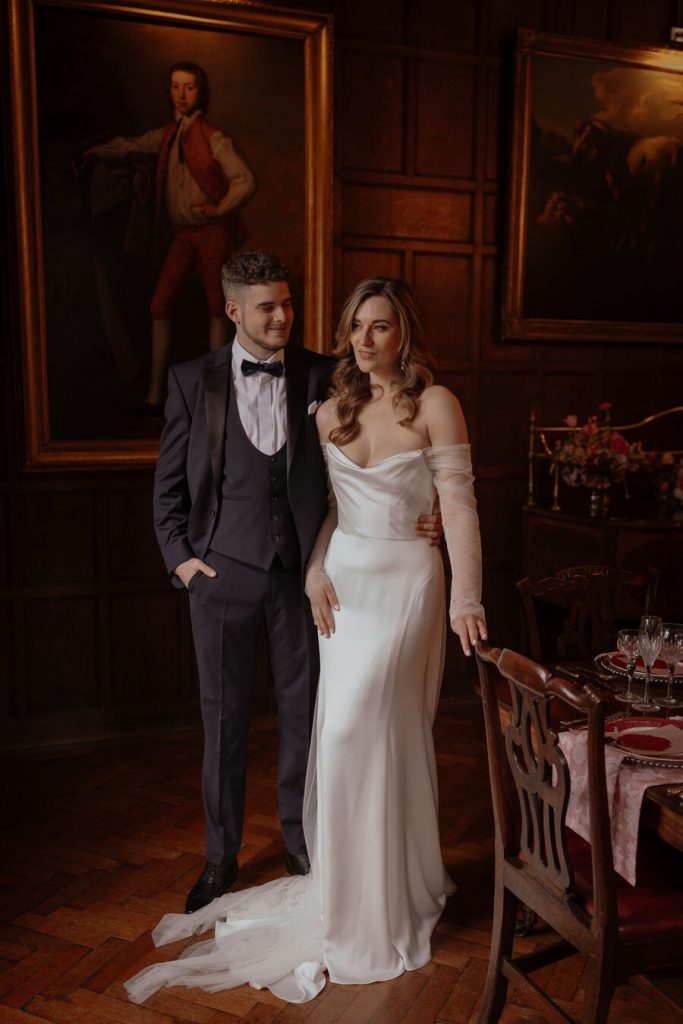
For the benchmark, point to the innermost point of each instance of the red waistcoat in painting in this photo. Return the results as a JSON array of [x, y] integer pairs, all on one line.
[[200, 161]]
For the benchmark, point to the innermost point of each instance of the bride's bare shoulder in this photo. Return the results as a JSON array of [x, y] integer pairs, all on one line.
[[326, 418], [439, 401], [443, 416]]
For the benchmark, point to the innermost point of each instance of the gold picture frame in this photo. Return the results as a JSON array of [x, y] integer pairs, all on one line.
[[271, 70], [594, 221]]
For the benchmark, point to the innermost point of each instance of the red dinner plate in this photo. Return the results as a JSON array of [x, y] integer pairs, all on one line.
[[648, 737]]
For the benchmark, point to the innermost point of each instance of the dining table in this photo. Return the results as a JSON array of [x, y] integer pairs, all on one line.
[[662, 803]]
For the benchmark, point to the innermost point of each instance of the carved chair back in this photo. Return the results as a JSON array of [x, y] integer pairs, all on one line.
[[530, 785], [540, 863], [576, 606]]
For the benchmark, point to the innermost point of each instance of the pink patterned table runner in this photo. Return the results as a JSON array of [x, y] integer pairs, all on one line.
[[626, 785]]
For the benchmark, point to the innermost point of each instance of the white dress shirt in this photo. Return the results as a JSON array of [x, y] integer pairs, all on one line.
[[261, 401], [183, 193]]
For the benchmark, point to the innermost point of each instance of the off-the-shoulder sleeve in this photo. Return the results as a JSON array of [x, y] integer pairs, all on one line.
[[451, 468]]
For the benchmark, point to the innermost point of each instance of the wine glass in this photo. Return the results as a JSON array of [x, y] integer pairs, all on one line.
[[649, 645], [672, 652], [628, 642]]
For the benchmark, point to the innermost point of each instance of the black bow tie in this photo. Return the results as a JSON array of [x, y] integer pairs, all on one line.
[[274, 369]]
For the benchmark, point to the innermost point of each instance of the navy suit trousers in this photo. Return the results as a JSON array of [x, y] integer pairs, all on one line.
[[228, 616]]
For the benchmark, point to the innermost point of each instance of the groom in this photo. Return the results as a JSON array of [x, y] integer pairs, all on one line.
[[239, 496]]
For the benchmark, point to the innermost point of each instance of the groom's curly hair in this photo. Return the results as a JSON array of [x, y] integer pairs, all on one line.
[[351, 387], [252, 266]]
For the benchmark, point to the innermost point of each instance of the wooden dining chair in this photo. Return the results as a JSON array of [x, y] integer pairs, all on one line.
[[576, 608], [571, 884]]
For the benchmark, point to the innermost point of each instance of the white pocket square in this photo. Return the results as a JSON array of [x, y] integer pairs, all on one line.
[[312, 407]]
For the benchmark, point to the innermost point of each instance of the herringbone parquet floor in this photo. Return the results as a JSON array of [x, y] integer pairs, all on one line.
[[100, 841]]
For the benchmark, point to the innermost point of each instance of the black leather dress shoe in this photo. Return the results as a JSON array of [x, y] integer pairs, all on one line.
[[297, 863], [214, 881]]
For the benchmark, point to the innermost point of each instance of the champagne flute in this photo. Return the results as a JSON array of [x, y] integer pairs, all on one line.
[[649, 645], [672, 652], [628, 642]]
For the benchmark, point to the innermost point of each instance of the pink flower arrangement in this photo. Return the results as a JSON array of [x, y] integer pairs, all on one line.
[[594, 455]]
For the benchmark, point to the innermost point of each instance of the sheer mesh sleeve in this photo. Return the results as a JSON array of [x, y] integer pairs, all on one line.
[[451, 467]]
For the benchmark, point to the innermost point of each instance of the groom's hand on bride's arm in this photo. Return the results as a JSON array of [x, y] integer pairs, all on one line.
[[324, 601], [186, 570], [470, 629]]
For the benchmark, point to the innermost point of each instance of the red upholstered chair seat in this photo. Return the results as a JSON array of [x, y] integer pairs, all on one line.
[[652, 907]]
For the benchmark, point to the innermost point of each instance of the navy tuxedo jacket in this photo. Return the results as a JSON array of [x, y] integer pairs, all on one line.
[[187, 481]]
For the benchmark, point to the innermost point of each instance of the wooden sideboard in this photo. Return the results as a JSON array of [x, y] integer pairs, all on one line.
[[557, 540]]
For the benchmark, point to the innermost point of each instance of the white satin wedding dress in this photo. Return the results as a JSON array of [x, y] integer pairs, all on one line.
[[377, 884]]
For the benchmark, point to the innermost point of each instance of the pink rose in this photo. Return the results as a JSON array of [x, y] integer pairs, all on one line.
[[605, 405], [571, 421], [619, 443]]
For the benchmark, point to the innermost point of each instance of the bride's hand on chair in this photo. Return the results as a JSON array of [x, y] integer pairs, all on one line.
[[470, 629], [324, 601]]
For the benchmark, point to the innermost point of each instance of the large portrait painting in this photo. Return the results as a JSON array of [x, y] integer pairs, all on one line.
[[595, 228], [150, 141]]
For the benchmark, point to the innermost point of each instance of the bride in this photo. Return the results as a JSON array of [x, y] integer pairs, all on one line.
[[377, 884]]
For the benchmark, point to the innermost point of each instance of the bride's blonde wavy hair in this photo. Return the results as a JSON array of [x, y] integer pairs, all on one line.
[[351, 387]]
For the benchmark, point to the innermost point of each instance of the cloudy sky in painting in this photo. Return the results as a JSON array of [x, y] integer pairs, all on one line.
[[568, 91]]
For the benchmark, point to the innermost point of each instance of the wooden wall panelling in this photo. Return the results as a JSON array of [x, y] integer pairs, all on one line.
[[434, 25], [444, 129], [494, 352], [374, 261], [493, 125], [503, 17], [6, 658], [443, 282], [371, 101], [500, 497], [131, 544], [635, 21], [632, 397], [4, 533], [491, 215], [144, 650], [386, 211], [504, 427], [381, 21], [559, 16], [563, 354], [566, 393], [591, 18], [58, 536], [61, 653]]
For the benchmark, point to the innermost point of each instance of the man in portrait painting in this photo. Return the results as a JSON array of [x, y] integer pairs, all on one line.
[[201, 183]]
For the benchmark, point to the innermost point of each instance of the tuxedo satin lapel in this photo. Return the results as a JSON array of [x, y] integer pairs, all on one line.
[[296, 377], [216, 384]]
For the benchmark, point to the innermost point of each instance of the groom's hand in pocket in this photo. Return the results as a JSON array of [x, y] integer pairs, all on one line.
[[186, 570]]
